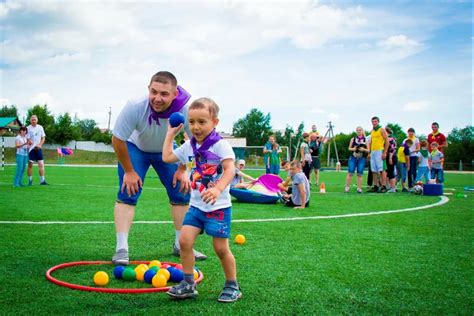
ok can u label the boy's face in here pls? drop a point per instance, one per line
(294, 170)
(410, 133)
(271, 140)
(201, 123)
(375, 122)
(434, 146)
(241, 166)
(161, 95)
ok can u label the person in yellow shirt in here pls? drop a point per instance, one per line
(378, 152)
(403, 164)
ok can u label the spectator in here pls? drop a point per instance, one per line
(275, 159)
(37, 137)
(436, 136)
(403, 163)
(305, 155)
(423, 165)
(378, 152)
(414, 149)
(315, 148)
(359, 151)
(267, 150)
(21, 143)
(391, 162)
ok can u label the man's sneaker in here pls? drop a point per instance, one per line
(346, 189)
(183, 290)
(120, 258)
(359, 191)
(197, 255)
(44, 183)
(229, 294)
(392, 190)
(30, 182)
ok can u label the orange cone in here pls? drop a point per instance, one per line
(322, 188)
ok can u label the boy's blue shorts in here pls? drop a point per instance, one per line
(215, 223)
(141, 162)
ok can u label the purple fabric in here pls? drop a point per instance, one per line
(270, 181)
(177, 104)
(203, 151)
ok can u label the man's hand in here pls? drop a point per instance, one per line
(131, 182)
(182, 176)
(384, 155)
(210, 195)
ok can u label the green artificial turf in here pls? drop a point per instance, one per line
(418, 262)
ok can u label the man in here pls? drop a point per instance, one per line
(36, 137)
(378, 145)
(267, 151)
(438, 137)
(138, 138)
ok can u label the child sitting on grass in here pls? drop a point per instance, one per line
(212, 159)
(299, 197)
(238, 181)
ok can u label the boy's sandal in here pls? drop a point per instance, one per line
(229, 294)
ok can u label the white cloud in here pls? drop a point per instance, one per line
(400, 46)
(416, 106)
(317, 111)
(4, 101)
(43, 98)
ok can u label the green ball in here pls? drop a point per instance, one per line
(154, 268)
(129, 274)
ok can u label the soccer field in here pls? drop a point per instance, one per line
(312, 261)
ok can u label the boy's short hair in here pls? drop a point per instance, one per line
(164, 77)
(205, 103)
(435, 123)
(23, 128)
(296, 164)
(434, 144)
(409, 141)
(411, 129)
(423, 143)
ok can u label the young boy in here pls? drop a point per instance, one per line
(403, 157)
(299, 198)
(423, 167)
(212, 162)
(285, 185)
(238, 180)
(436, 159)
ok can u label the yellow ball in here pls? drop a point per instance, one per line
(140, 272)
(159, 280)
(155, 263)
(240, 239)
(164, 273)
(101, 278)
(143, 266)
(196, 275)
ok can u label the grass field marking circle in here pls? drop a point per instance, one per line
(104, 289)
(443, 200)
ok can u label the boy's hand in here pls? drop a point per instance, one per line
(175, 130)
(210, 195)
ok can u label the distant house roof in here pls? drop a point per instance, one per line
(10, 122)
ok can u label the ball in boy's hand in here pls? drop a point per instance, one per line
(176, 118)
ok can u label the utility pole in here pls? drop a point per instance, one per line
(110, 114)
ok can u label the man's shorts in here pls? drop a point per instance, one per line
(376, 162)
(315, 163)
(215, 223)
(141, 162)
(36, 154)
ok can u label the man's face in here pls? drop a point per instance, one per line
(271, 140)
(434, 128)
(375, 122)
(161, 95)
(34, 120)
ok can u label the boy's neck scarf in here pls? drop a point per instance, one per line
(376, 128)
(424, 152)
(177, 104)
(203, 151)
(412, 137)
(434, 152)
(434, 134)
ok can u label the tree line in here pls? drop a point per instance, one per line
(256, 127)
(61, 129)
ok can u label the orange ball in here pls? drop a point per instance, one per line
(155, 263)
(159, 280)
(140, 272)
(165, 273)
(196, 275)
(240, 239)
(101, 278)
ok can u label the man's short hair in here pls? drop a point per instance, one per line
(435, 123)
(205, 103)
(164, 77)
(375, 118)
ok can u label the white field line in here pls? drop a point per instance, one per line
(443, 200)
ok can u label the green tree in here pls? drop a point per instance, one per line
(460, 147)
(88, 128)
(398, 133)
(102, 137)
(255, 127)
(45, 119)
(8, 111)
(64, 130)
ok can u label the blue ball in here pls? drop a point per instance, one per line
(118, 271)
(149, 274)
(176, 118)
(177, 275)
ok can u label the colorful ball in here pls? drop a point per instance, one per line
(139, 273)
(154, 263)
(176, 275)
(101, 278)
(118, 271)
(165, 273)
(196, 274)
(148, 277)
(158, 281)
(154, 268)
(178, 266)
(165, 266)
(418, 189)
(129, 274)
(240, 239)
(176, 118)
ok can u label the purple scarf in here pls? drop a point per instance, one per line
(177, 104)
(203, 151)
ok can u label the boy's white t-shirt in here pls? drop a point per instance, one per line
(35, 134)
(186, 156)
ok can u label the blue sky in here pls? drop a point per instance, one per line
(408, 62)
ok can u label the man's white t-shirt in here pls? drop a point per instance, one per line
(132, 125)
(35, 133)
(213, 171)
